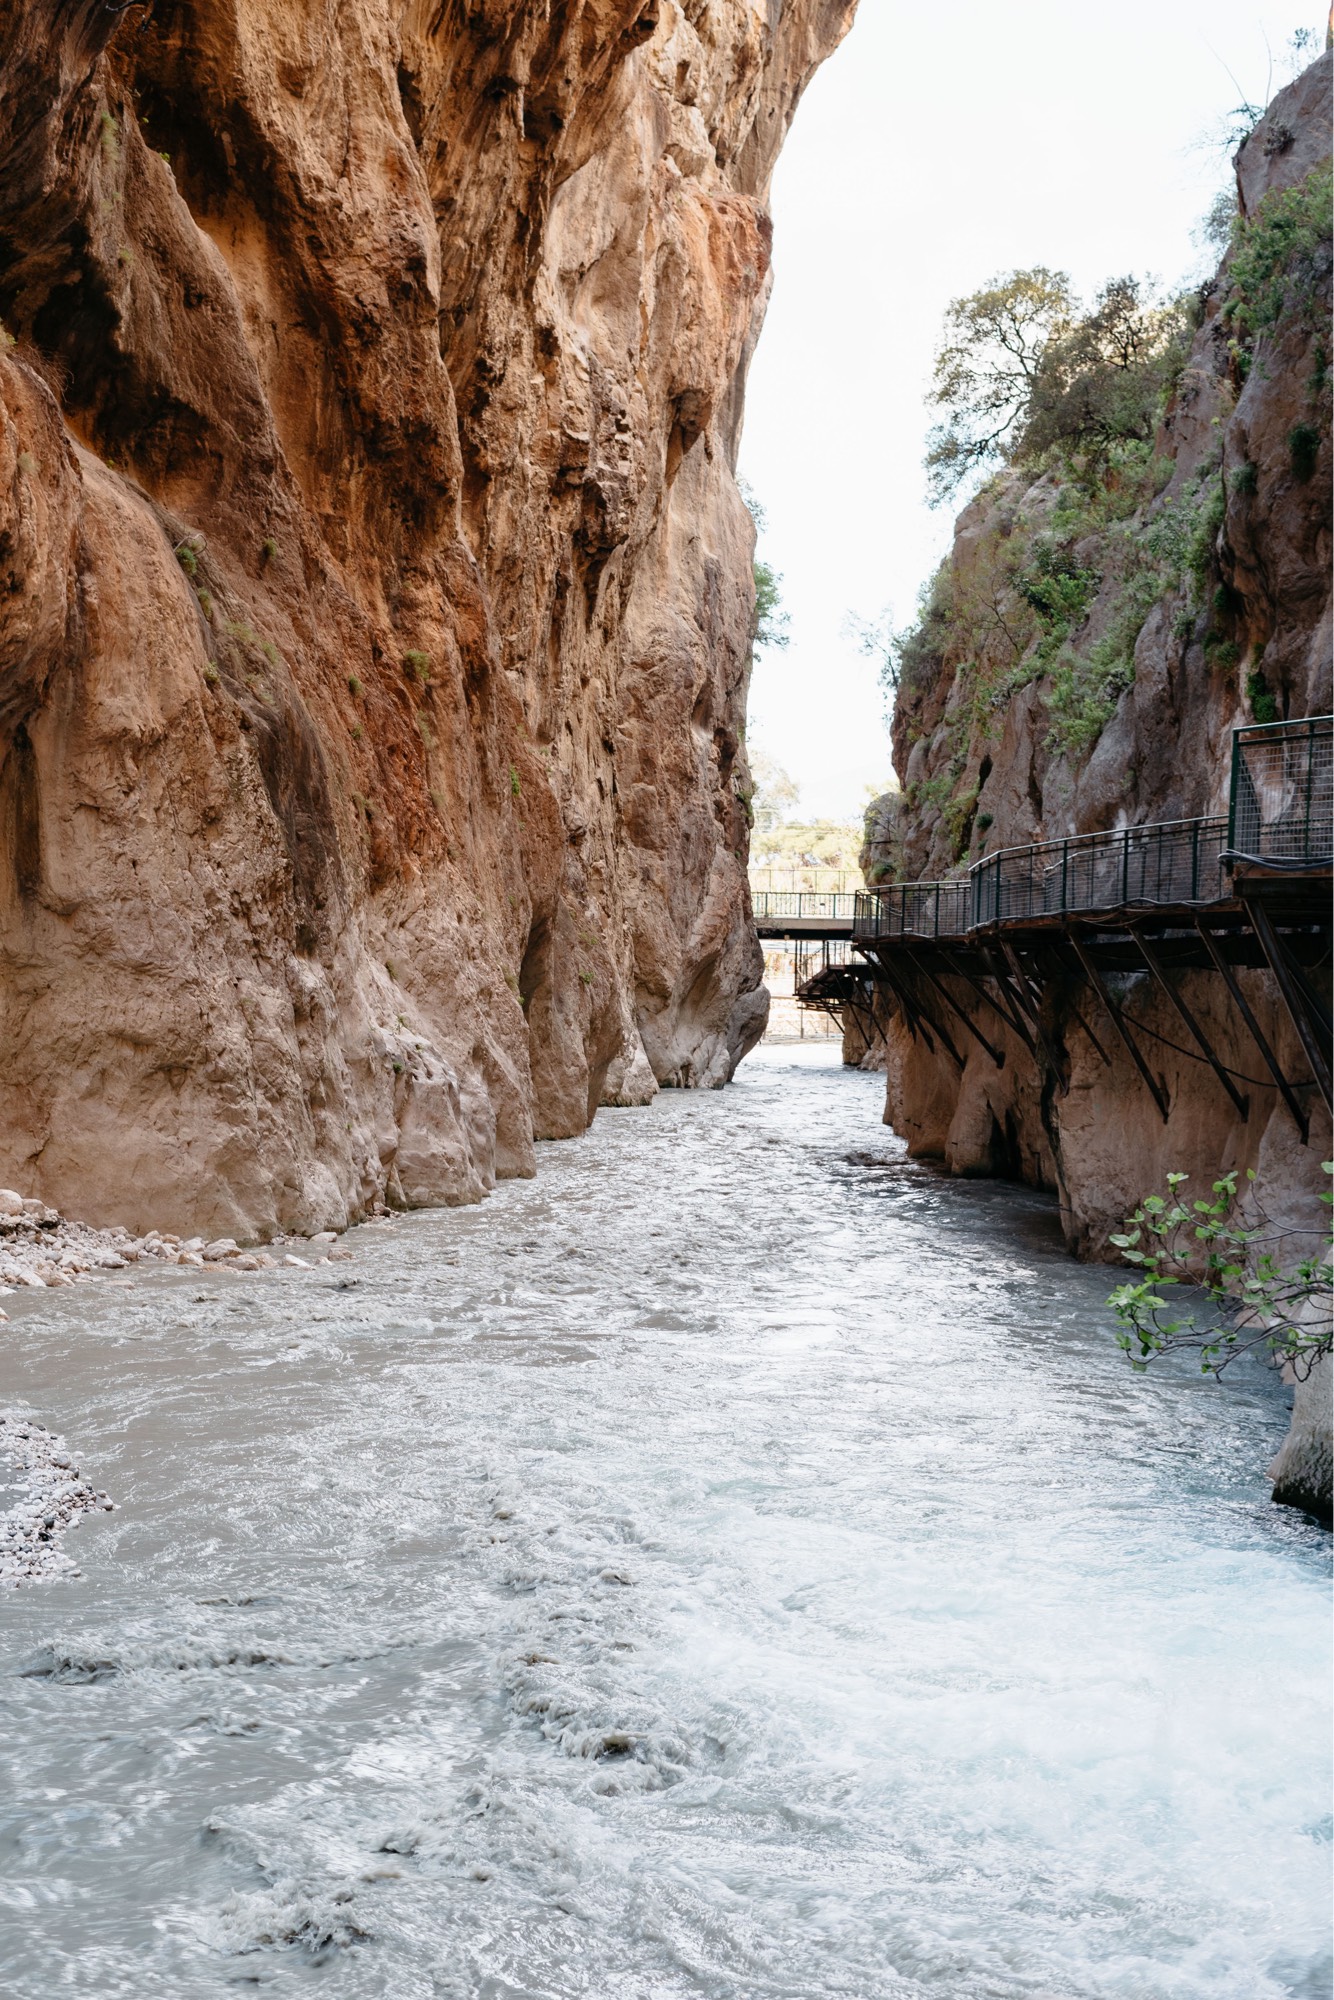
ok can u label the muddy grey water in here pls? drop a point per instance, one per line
(735, 1563)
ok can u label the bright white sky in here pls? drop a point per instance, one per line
(942, 144)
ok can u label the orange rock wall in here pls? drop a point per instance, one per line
(376, 596)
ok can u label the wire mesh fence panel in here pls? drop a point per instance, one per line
(1283, 791)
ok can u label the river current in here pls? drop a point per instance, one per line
(737, 1563)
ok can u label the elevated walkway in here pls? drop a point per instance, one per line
(1249, 889)
(797, 914)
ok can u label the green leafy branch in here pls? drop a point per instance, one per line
(1262, 1298)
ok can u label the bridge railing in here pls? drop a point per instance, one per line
(811, 904)
(1280, 815)
(914, 909)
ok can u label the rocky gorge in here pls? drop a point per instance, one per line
(377, 593)
(1078, 668)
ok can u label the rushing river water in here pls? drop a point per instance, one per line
(737, 1563)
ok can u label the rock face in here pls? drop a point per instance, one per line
(1244, 491)
(377, 595)
(1257, 630)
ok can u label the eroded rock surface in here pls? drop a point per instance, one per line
(1254, 632)
(377, 595)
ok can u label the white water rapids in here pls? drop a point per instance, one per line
(737, 1563)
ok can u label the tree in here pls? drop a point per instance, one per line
(1263, 1298)
(773, 799)
(1099, 380)
(986, 369)
(771, 621)
(876, 638)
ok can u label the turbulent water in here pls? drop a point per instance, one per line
(737, 1563)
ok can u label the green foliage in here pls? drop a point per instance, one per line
(1102, 381)
(353, 684)
(1264, 708)
(268, 550)
(187, 555)
(1303, 450)
(1276, 257)
(515, 787)
(986, 370)
(1244, 478)
(1262, 1296)
(1024, 372)
(418, 664)
(771, 621)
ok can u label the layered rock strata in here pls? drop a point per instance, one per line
(377, 594)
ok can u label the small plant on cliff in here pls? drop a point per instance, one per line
(1280, 255)
(515, 787)
(419, 663)
(1261, 1296)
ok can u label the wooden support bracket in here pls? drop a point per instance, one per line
(1268, 1057)
(1096, 981)
(1242, 1103)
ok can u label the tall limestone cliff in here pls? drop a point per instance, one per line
(376, 591)
(1081, 667)
(1206, 604)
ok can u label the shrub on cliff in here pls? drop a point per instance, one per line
(1280, 260)
(1261, 1296)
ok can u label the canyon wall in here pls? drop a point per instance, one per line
(1167, 614)
(1237, 534)
(377, 594)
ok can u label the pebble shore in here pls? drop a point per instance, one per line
(40, 1247)
(52, 1495)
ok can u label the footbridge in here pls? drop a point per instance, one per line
(1251, 888)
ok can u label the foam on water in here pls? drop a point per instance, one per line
(737, 1563)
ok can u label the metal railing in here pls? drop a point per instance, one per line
(1279, 814)
(915, 909)
(1282, 798)
(1178, 862)
(809, 904)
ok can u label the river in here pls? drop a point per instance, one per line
(737, 1563)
